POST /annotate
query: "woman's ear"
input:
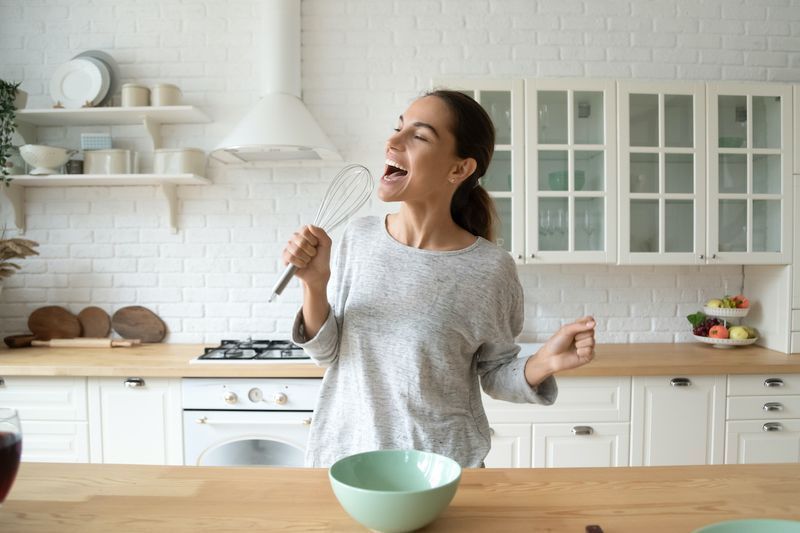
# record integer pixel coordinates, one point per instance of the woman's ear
(462, 170)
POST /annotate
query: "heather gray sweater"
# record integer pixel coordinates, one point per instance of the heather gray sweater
(409, 335)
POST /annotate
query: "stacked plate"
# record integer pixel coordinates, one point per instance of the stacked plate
(90, 79)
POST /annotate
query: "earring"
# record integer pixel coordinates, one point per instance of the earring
(452, 180)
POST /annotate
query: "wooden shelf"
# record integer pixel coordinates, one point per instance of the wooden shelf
(98, 116)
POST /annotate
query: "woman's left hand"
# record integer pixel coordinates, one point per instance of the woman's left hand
(570, 347)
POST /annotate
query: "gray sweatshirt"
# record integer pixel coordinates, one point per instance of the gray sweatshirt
(410, 334)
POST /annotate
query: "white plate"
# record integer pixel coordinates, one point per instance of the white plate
(726, 312)
(112, 67)
(79, 81)
(725, 343)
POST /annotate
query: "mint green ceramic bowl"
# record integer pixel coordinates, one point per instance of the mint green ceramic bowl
(395, 490)
(760, 525)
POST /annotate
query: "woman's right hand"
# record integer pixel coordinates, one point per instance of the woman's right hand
(309, 250)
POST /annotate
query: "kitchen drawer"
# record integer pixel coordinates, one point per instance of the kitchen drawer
(796, 320)
(45, 398)
(747, 442)
(580, 445)
(55, 442)
(589, 399)
(763, 407)
(758, 385)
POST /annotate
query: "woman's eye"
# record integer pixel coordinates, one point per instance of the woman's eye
(421, 138)
(396, 129)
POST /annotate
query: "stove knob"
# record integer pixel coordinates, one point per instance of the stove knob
(255, 395)
(280, 398)
(230, 397)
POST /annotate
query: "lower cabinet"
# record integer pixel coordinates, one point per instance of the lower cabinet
(511, 446)
(753, 441)
(55, 442)
(570, 445)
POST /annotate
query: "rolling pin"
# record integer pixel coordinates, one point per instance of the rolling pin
(86, 342)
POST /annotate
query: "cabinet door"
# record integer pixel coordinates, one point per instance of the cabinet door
(504, 179)
(677, 420)
(755, 441)
(135, 421)
(796, 250)
(750, 173)
(45, 398)
(571, 186)
(662, 168)
(573, 445)
(511, 446)
(55, 442)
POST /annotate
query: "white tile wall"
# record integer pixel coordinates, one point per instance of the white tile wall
(362, 63)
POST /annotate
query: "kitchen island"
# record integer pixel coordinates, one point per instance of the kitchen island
(85, 498)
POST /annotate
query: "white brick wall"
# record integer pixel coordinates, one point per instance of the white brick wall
(362, 63)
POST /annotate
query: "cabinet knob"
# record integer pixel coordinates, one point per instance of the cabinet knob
(491, 432)
(713, 256)
(702, 256)
(307, 421)
(772, 426)
(519, 256)
(280, 398)
(134, 383)
(533, 256)
(773, 406)
(582, 430)
(680, 382)
(773, 382)
(230, 397)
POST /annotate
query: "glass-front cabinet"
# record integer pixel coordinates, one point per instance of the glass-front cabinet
(662, 173)
(570, 171)
(750, 173)
(504, 180)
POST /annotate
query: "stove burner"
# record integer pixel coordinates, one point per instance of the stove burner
(254, 350)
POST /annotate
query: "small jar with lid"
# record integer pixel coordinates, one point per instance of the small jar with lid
(135, 95)
(165, 94)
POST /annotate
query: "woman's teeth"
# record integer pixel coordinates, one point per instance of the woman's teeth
(394, 171)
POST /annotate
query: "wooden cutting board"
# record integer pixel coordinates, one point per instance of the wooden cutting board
(137, 322)
(95, 322)
(54, 322)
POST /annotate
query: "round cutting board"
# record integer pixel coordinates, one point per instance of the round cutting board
(95, 322)
(54, 322)
(137, 322)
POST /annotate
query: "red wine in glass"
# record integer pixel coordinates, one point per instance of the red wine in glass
(10, 450)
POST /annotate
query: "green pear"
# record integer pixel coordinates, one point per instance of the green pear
(738, 333)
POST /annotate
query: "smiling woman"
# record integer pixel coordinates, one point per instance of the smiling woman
(423, 308)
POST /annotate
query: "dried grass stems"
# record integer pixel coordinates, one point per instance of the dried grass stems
(14, 249)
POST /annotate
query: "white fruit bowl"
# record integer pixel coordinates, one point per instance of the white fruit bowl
(725, 343)
(726, 312)
(45, 159)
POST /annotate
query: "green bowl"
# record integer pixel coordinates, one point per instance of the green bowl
(752, 526)
(395, 490)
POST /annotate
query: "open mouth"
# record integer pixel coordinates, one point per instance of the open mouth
(393, 171)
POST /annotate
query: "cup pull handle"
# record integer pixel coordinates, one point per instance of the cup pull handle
(134, 383)
(680, 382)
(773, 406)
(582, 430)
(773, 382)
(772, 426)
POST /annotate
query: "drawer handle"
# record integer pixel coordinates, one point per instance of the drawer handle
(772, 426)
(680, 382)
(491, 432)
(582, 430)
(773, 382)
(134, 383)
(773, 406)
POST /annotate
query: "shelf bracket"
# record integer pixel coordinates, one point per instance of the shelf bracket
(153, 128)
(168, 189)
(16, 195)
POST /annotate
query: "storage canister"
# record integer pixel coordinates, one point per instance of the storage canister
(114, 161)
(179, 161)
(165, 94)
(135, 95)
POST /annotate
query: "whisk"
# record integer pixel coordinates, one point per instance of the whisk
(347, 192)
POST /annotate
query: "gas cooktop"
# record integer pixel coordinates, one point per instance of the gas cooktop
(253, 351)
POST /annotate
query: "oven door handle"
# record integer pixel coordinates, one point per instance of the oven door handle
(205, 421)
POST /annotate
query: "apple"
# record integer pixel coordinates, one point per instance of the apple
(738, 333)
(718, 332)
(714, 302)
(741, 301)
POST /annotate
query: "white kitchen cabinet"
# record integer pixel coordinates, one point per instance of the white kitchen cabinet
(574, 445)
(136, 420)
(55, 442)
(571, 176)
(755, 441)
(511, 446)
(677, 420)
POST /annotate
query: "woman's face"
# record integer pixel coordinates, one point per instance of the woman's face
(421, 155)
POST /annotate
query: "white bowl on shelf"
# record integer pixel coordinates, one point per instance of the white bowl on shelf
(45, 159)
(725, 343)
(726, 312)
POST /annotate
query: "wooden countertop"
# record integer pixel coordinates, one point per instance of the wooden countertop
(86, 498)
(172, 360)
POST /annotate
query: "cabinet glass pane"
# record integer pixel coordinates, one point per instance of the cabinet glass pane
(679, 226)
(733, 225)
(644, 119)
(644, 226)
(588, 116)
(503, 207)
(679, 173)
(733, 173)
(498, 175)
(553, 224)
(589, 224)
(498, 105)
(766, 225)
(644, 172)
(732, 121)
(552, 117)
(766, 122)
(589, 170)
(678, 120)
(766, 174)
(552, 170)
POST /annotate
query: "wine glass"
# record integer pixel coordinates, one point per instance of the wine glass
(10, 449)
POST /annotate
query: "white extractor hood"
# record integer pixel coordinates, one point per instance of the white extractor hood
(279, 127)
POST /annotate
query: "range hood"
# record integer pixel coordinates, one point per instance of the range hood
(279, 127)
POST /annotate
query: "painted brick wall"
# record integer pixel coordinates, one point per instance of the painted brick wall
(363, 61)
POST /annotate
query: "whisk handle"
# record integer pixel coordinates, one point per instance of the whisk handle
(283, 281)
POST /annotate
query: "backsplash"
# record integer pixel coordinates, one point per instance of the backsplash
(362, 63)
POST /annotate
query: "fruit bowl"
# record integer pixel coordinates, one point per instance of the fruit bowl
(724, 343)
(726, 312)
(45, 159)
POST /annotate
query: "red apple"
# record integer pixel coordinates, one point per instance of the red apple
(718, 332)
(741, 302)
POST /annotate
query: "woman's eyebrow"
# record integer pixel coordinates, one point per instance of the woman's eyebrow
(422, 125)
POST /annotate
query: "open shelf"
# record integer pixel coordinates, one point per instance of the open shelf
(98, 116)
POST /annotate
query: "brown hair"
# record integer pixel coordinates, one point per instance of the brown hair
(471, 207)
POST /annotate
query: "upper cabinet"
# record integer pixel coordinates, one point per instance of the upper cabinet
(570, 171)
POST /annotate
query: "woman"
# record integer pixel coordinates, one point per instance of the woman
(424, 306)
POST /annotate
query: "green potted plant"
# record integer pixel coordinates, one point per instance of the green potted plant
(13, 249)
(9, 101)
